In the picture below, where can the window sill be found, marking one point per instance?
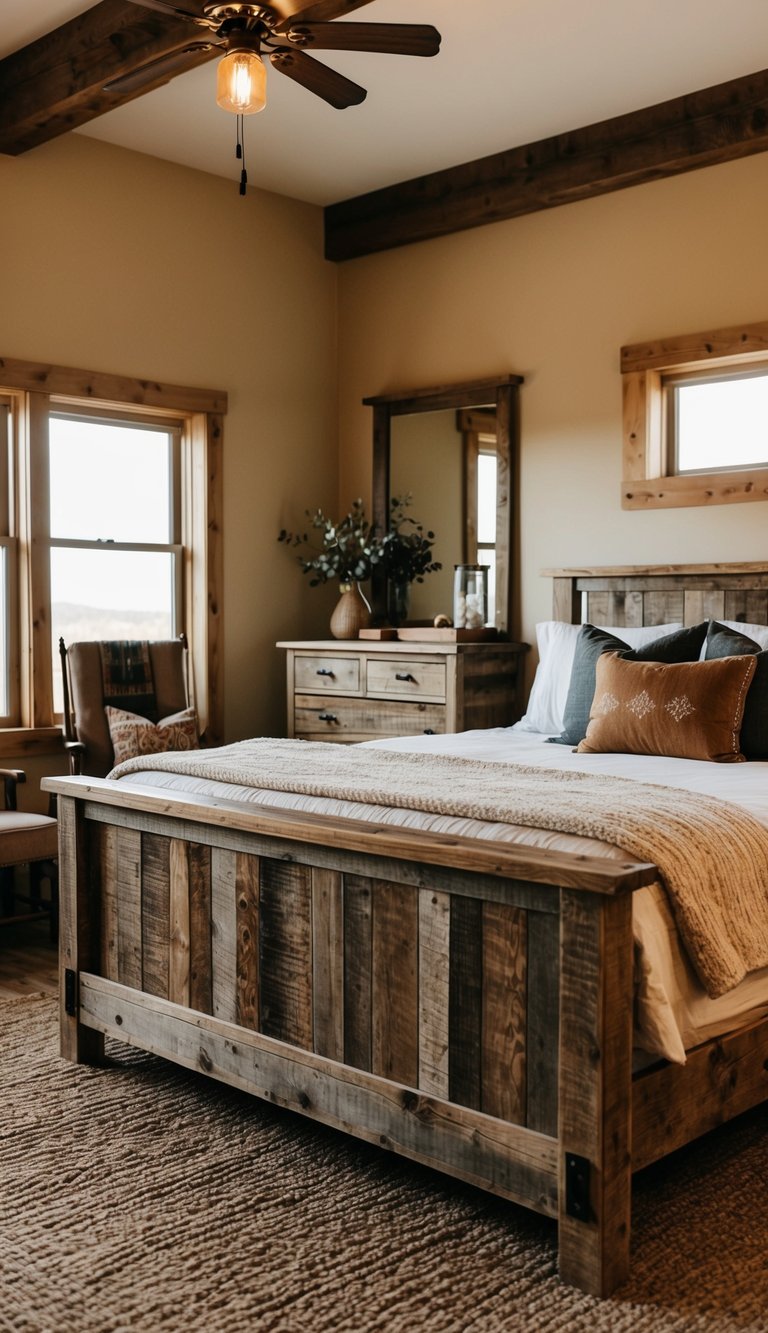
(16, 741)
(711, 488)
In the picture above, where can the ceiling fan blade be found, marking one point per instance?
(399, 39)
(175, 11)
(318, 78)
(311, 11)
(168, 64)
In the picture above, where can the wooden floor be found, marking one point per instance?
(28, 960)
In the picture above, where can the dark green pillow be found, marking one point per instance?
(724, 642)
(682, 645)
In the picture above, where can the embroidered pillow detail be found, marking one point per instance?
(687, 710)
(133, 735)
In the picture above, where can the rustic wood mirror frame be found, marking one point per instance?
(500, 391)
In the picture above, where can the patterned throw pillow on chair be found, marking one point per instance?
(132, 735)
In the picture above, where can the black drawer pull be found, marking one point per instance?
(327, 717)
(324, 671)
(405, 675)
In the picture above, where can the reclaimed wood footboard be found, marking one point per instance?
(465, 1003)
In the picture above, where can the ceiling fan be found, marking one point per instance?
(285, 31)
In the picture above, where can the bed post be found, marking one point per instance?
(79, 934)
(595, 1089)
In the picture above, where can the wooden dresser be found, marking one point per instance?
(358, 690)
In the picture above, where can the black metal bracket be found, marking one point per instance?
(577, 1203)
(70, 992)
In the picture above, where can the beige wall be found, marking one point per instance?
(111, 260)
(553, 297)
(114, 261)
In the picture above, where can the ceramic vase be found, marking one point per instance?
(351, 613)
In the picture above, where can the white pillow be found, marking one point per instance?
(757, 632)
(557, 645)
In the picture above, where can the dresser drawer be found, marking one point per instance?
(348, 720)
(325, 673)
(405, 676)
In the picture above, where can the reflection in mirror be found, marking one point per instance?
(453, 450)
(446, 462)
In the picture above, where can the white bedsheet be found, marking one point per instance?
(673, 1012)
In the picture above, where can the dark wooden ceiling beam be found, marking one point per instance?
(700, 129)
(57, 83)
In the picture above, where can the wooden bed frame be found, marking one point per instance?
(466, 1004)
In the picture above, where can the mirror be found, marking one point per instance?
(453, 450)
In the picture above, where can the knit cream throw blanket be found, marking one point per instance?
(712, 856)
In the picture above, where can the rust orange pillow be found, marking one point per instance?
(685, 710)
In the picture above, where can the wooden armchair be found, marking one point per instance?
(26, 839)
(151, 683)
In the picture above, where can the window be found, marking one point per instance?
(115, 530)
(486, 515)
(9, 648)
(110, 497)
(716, 421)
(696, 419)
(478, 430)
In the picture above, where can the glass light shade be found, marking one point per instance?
(241, 83)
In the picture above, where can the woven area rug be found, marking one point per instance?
(140, 1196)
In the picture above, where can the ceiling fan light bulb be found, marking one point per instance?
(241, 83)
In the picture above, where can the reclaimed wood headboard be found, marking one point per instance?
(658, 594)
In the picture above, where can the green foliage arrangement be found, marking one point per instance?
(350, 549)
(406, 549)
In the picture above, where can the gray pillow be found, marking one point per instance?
(723, 642)
(683, 645)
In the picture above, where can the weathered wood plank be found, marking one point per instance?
(129, 941)
(434, 990)
(504, 1013)
(673, 1104)
(285, 953)
(699, 129)
(543, 1021)
(358, 916)
(739, 342)
(661, 608)
(520, 865)
(103, 386)
(394, 976)
(79, 933)
(539, 896)
(703, 606)
(247, 889)
(328, 963)
(200, 965)
(57, 82)
(155, 919)
(595, 1079)
(466, 1008)
(178, 923)
(505, 1159)
(223, 935)
(749, 606)
(103, 845)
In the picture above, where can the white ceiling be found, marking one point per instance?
(509, 72)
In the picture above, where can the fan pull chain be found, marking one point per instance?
(240, 153)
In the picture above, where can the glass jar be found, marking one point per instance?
(470, 596)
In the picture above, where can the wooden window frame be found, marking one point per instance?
(37, 390)
(647, 480)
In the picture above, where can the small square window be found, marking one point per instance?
(717, 421)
